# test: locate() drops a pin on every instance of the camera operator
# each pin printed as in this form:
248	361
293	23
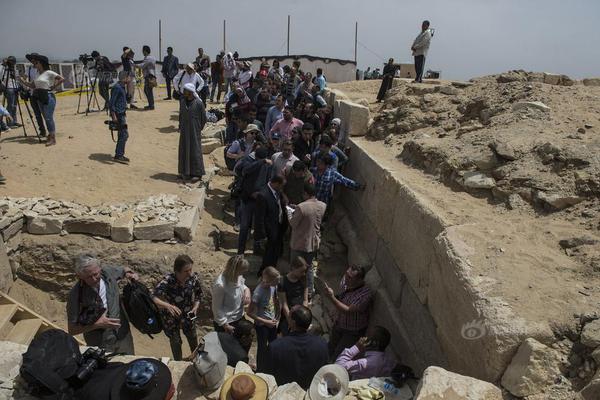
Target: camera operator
118	107
9	76
129	66
94	307
43	92
105	72
148	67
31	74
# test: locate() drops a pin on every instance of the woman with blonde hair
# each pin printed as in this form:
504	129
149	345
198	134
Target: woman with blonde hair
230	294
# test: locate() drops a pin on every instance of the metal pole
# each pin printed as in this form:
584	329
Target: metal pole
288	37
224	28
159	39
355	41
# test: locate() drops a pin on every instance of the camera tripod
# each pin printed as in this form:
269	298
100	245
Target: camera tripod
9	73
90	88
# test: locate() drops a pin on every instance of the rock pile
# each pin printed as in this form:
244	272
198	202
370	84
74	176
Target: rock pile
518	133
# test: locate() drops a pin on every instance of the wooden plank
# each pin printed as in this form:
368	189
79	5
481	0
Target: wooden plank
7	311
24	331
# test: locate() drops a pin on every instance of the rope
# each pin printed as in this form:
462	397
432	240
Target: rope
371	51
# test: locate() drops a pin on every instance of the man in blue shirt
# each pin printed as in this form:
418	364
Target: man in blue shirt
326	177
118	107
320	79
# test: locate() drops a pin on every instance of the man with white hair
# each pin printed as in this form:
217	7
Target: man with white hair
94	308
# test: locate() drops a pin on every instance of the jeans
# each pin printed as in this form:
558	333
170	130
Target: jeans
247	209
264	337
168	81
340	339
48	112
175	342
38	117
310	272
130	89
419	66
11	104
148	91
123	135
216	87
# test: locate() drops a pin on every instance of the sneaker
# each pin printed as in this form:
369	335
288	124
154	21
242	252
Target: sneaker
149	108
133	107
122	159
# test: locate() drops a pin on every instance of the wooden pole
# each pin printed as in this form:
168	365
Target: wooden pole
355	41
224	28
288	37
159	39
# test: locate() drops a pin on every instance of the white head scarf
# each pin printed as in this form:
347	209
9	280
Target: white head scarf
190	87
336	121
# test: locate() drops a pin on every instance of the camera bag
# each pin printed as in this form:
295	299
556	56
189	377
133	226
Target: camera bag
140	308
51	359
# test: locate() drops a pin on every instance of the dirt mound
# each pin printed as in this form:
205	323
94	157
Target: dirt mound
500	135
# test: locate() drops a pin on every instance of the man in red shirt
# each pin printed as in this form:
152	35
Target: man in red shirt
286	125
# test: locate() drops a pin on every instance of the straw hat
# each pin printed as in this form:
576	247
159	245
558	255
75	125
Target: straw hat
330	382
244	387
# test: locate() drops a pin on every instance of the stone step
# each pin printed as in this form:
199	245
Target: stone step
24	331
7	311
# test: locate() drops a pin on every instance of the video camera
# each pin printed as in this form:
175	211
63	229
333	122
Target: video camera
85	58
114	126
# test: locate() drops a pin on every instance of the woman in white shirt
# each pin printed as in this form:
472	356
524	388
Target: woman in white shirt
43	87
230	294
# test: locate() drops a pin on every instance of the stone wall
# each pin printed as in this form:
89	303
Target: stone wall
427	294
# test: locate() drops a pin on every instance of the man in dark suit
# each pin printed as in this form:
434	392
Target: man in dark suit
170	68
270	220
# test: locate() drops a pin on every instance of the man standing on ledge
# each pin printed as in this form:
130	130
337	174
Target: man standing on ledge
94	307
170	68
419	48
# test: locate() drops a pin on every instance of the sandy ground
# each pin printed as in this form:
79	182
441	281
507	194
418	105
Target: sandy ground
80	166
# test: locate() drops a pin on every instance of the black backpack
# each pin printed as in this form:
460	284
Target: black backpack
51	360
140	308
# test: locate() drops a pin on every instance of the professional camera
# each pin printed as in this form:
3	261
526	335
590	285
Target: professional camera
85	58
114	126
93	358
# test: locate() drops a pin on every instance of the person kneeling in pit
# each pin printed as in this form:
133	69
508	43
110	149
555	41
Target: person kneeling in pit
178	296
94	307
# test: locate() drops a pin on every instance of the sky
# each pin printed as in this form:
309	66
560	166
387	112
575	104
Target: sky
472	37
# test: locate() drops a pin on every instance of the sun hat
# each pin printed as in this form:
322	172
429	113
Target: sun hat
330	382
251	128
244	386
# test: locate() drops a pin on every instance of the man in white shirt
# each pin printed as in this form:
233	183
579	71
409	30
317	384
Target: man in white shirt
284	159
188	75
419	48
148	67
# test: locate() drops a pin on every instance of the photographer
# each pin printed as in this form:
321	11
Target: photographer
43	92
105	71
118	107
94	307
178	296
129	67
10	86
148	67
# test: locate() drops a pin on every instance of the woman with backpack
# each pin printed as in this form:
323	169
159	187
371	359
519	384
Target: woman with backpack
230	294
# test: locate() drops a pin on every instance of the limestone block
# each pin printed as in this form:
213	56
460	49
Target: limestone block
591	82
590	336
13	229
337	108
552	79
122	228
532	369
187	225
558	201
153	230
477	180
5	222
195	198
592	390
355	118
537	105
449	90
95	226
44	225
210	145
289	391
14	242
6	275
437	383
10	362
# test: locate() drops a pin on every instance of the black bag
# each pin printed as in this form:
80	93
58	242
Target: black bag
51	360
41	95
140	308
